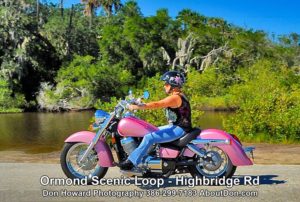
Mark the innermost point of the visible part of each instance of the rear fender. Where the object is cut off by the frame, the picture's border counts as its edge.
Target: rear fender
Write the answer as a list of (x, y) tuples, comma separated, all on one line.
[(234, 150), (101, 147)]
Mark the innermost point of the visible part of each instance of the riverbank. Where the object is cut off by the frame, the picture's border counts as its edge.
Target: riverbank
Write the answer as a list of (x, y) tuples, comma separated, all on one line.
[(264, 154)]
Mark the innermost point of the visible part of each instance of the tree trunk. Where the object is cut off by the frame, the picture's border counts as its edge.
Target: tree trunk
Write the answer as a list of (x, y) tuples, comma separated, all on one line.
[(91, 19), (69, 31), (62, 8), (90, 22), (37, 12), (71, 17)]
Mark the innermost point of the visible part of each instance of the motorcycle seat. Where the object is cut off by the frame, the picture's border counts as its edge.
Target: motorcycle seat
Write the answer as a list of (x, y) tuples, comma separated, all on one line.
[(185, 139)]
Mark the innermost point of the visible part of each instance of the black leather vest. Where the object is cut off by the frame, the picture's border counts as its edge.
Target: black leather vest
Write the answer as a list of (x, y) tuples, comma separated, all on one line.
[(180, 116)]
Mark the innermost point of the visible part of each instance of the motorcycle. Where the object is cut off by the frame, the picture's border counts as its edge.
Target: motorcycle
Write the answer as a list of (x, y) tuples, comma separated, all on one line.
[(210, 153)]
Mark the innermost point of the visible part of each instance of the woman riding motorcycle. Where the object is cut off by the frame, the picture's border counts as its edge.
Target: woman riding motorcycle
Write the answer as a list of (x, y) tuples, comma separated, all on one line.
[(178, 113)]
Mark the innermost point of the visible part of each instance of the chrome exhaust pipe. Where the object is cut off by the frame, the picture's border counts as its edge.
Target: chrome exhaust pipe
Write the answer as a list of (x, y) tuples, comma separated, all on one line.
[(196, 150), (155, 164), (210, 141)]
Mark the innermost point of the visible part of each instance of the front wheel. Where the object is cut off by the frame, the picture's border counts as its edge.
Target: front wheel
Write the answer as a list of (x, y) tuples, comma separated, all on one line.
[(216, 164), (69, 160)]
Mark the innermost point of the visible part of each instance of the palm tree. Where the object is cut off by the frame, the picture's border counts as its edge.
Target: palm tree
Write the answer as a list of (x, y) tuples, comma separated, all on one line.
[(90, 6), (108, 5)]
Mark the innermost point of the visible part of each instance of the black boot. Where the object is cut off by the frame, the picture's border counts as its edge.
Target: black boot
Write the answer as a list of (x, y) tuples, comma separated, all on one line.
[(126, 165)]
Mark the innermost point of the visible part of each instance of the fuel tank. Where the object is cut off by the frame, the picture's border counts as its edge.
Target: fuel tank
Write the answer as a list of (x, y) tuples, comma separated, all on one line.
[(134, 127)]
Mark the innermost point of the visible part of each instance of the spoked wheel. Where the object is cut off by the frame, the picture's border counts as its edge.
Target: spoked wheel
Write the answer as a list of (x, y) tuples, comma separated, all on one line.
[(216, 164), (70, 157)]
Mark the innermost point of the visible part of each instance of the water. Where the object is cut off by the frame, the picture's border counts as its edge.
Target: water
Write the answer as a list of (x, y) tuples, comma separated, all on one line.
[(40, 132), (46, 132)]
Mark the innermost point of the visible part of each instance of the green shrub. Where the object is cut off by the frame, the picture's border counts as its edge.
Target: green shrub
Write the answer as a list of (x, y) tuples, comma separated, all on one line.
[(81, 82), (269, 104), (9, 102)]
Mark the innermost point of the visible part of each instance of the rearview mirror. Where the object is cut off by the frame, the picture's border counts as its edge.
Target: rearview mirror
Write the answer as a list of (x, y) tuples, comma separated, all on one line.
[(130, 95), (146, 95), (130, 92)]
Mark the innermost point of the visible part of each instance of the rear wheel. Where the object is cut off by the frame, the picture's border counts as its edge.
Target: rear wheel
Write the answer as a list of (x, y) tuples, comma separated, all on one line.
[(69, 160), (216, 164)]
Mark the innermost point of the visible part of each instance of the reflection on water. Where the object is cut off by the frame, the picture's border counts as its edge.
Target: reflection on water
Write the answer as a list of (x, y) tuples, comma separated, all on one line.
[(40, 132), (46, 132), (212, 119)]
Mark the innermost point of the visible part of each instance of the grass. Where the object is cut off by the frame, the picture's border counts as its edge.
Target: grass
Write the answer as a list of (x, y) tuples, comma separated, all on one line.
[(11, 110)]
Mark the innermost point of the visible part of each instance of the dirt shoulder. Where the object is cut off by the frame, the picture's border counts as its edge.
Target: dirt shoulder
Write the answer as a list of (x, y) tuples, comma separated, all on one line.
[(264, 154), (276, 153)]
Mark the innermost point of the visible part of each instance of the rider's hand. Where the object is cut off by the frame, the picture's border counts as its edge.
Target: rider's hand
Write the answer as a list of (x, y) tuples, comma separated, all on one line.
[(133, 107)]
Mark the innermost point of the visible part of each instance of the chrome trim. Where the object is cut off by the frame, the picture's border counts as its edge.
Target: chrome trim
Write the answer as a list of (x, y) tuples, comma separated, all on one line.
[(97, 136), (211, 141), (155, 164), (196, 150)]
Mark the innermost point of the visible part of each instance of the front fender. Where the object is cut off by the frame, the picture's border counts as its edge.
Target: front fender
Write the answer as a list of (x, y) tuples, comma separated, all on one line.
[(101, 147), (234, 150)]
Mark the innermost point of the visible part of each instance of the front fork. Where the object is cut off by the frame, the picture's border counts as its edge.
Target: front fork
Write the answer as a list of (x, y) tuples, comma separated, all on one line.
[(99, 135)]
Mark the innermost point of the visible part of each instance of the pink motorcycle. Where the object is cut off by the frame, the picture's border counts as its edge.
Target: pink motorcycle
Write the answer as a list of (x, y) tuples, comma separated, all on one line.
[(209, 153)]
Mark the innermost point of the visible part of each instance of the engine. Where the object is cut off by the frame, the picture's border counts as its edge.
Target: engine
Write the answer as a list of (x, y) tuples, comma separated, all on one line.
[(128, 144), (153, 163)]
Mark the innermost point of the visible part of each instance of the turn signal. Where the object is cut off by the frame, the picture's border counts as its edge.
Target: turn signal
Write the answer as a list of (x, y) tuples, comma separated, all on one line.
[(91, 128), (113, 140)]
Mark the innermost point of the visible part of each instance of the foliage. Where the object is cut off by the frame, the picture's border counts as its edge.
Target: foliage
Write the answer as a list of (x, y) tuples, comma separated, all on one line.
[(269, 102), (69, 34), (134, 42), (80, 82), (26, 57), (9, 103)]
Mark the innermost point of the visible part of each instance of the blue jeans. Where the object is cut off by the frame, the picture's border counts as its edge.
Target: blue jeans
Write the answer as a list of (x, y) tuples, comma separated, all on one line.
[(165, 133)]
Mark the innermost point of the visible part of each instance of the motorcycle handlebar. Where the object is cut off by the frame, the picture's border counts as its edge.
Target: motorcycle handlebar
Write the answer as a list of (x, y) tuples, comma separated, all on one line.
[(125, 103)]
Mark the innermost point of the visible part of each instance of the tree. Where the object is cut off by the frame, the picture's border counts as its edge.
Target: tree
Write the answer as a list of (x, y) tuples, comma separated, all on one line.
[(90, 7), (81, 82), (37, 12), (190, 19), (25, 53), (108, 5), (9, 103), (62, 8), (70, 36)]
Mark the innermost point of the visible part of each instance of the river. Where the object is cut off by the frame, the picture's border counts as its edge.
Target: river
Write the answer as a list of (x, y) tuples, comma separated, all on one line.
[(45, 132)]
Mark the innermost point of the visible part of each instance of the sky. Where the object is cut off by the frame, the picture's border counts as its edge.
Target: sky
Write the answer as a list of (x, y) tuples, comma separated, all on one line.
[(274, 17)]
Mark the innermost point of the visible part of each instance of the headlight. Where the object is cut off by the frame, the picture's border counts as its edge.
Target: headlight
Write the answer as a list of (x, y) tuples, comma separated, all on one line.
[(119, 110), (100, 120), (100, 116)]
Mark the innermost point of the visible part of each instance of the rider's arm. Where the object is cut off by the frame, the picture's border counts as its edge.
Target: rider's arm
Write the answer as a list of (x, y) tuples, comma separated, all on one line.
[(172, 101)]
